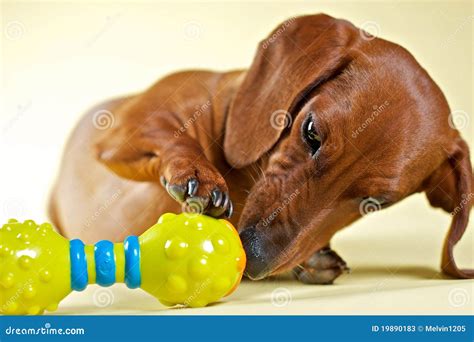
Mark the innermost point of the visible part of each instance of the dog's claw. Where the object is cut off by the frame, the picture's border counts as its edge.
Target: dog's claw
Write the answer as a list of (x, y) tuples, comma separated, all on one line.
[(221, 204), (198, 189), (216, 196), (163, 181), (230, 210), (323, 267), (176, 191), (193, 185), (225, 200)]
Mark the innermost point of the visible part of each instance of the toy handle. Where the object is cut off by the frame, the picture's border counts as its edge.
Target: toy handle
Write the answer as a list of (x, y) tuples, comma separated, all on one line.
[(105, 263)]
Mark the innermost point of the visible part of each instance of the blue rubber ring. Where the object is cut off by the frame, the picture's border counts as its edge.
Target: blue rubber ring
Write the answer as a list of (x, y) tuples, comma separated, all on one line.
[(132, 262), (79, 276), (104, 263)]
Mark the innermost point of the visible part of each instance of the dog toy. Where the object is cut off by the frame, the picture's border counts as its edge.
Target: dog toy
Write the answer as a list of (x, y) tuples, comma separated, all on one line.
[(186, 259)]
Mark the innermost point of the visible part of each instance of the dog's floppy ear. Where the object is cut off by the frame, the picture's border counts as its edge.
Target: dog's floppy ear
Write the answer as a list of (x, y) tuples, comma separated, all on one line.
[(450, 188), (298, 55)]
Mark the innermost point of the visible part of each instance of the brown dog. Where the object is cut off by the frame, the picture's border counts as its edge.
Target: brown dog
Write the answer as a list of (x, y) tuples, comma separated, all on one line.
[(326, 120)]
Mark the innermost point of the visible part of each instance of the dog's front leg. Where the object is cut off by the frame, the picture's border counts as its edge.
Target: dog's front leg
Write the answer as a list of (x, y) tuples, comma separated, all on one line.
[(323, 267), (159, 152), (191, 179)]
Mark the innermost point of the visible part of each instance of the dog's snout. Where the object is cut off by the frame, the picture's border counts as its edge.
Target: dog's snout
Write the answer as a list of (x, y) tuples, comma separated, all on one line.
[(257, 259)]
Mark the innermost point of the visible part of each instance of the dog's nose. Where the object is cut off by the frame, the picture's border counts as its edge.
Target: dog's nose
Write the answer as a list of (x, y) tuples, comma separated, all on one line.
[(257, 261)]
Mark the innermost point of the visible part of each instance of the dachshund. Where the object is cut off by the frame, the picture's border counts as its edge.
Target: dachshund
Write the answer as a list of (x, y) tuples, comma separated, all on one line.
[(327, 120)]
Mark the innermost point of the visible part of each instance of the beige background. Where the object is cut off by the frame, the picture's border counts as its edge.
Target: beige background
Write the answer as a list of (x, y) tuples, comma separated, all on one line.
[(58, 59)]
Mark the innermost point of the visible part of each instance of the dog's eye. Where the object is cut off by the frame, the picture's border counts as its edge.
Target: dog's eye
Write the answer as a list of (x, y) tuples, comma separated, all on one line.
[(310, 135)]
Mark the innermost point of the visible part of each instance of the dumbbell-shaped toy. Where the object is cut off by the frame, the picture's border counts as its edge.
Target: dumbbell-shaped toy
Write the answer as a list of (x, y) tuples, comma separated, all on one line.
[(185, 259)]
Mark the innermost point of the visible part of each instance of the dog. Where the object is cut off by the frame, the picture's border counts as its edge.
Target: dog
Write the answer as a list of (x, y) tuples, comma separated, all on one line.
[(326, 118)]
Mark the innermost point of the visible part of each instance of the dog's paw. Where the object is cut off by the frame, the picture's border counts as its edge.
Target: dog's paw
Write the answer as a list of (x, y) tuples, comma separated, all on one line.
[(199, 187), (321, 268)]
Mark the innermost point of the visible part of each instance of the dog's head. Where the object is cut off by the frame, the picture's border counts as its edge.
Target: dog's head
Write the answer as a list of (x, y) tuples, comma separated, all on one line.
[(341, 123)]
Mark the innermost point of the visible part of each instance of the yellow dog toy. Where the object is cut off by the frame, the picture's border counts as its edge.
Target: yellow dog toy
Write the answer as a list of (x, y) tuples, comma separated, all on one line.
[(183, 259)]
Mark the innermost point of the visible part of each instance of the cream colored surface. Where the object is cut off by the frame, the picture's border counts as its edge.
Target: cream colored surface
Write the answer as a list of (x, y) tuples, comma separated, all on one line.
[(58, 59)]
